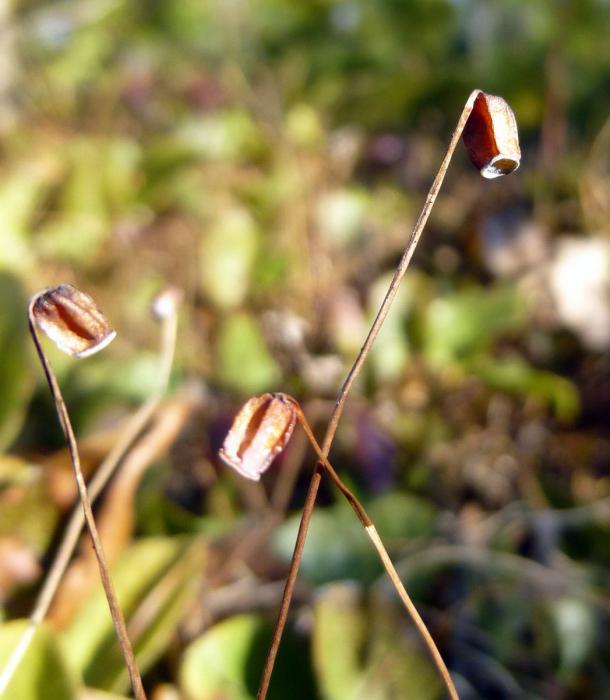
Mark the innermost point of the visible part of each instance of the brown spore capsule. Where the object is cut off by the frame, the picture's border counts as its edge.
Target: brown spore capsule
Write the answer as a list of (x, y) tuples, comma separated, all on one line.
[(491, 136), (259, 433), (72, 320)]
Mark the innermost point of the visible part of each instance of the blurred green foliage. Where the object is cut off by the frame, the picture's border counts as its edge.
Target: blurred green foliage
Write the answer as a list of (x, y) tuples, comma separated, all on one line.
[(45, 668), (269, 157)]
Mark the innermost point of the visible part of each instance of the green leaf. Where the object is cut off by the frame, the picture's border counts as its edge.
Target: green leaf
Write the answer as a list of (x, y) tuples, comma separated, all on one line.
[(122, 165), (20, 195), (362, 653), (402, 516), (244, 362), (216, 663), (43, 672), (83, 55), (81, 225), (397, 667), (463, 325), (226, 661), (228, 135), (108, 378), (517, 377), (155, 580), (341, 216), (340, 636), (94, 694), (304, 126), (227, 256), (336, 548)]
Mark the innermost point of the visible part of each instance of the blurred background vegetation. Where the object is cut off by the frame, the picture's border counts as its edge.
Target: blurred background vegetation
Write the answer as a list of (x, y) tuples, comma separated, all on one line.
[(269, 158)]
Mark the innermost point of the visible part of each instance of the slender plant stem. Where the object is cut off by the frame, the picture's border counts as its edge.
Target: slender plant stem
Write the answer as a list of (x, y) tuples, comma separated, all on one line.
[(323, 460), (345, 389), (113, 604), (412, 610), (106, 469), (371, 531)]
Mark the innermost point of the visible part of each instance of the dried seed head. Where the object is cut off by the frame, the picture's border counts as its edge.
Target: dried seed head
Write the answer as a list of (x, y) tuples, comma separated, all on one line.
[(491, 137), (72, 320), (259, 433)]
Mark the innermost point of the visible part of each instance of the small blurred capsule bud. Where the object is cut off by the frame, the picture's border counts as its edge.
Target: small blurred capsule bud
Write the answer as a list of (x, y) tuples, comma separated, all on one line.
[(491, 137), (166, 303), (259, 433), (72, 320)]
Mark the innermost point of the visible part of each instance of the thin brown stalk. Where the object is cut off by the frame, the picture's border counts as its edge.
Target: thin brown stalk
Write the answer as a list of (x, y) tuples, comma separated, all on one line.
[(113, 604), (134, 427), (345, 389), (371, 531)]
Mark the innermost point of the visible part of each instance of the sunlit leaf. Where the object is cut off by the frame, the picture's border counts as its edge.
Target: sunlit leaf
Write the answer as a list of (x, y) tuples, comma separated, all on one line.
[(94, 694), (340, 636), (216, 663), (227, 254), (43, 672), (81, 223), (122, 162), (224, 135), (132, 378), (225, 662), (244, 363), (154, 579), (464, 324), (303, 126), (363, 653), (340, 216), (20, 194)]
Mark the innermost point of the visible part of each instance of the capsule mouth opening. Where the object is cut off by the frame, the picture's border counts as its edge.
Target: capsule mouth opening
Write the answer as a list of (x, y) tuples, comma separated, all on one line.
[(100, 345), (499, 165)]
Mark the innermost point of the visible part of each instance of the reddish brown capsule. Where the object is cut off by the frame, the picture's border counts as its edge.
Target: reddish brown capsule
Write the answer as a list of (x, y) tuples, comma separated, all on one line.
[(72, 320), (259, 433), (491, 136)]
